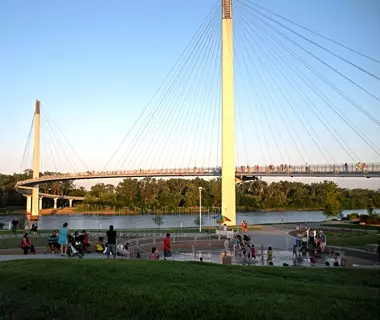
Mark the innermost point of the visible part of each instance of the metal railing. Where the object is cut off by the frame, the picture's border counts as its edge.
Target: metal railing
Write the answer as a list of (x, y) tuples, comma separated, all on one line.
[(354, 169)]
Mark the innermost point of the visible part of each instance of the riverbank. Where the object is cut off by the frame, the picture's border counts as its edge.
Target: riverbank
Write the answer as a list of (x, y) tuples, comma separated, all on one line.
[(189, 211)]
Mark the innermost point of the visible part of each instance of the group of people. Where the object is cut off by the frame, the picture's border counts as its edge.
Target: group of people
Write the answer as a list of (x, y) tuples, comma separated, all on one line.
[(243, 248), (60, 241), (33, 227)]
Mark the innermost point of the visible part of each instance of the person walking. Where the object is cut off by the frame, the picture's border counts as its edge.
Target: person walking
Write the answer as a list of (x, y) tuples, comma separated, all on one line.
[(111, 242), (167, 247)]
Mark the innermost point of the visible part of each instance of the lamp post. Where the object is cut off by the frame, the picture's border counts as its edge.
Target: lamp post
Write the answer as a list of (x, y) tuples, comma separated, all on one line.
[(200, 209)]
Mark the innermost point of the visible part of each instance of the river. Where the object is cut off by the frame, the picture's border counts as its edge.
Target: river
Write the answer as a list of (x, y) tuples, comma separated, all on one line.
[(174, 220)]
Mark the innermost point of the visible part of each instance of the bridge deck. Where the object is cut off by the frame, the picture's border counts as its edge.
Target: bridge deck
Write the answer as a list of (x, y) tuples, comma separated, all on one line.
[(371, 170)]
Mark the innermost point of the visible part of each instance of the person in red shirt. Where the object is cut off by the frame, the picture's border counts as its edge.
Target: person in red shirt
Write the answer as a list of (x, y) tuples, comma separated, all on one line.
[(26, 244), (167, 247)]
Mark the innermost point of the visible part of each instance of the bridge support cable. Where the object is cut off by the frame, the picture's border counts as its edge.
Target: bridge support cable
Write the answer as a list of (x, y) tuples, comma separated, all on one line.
[(353, 102), (330, 104), (211, 83), (274, 48), (241, 62), (196, 104), (319, 46), (50, 142), (265, 95), (169, 119), (296, 135), (282, 113), (334, 87), (166, 87), (263, 106), (47, 152), (27, 149), (309, 128), (65, 140), (214, 128), (296, 43), (323, 97), (314, 32)]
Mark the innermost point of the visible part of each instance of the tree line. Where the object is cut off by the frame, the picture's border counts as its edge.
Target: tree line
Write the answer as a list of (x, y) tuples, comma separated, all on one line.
[(149, 194)]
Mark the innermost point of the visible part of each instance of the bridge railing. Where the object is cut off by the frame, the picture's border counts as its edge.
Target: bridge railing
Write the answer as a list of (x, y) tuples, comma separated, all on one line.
[(242, 170)]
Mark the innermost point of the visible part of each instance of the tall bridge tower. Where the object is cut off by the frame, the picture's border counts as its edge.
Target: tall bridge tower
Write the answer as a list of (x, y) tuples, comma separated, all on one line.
[(228, 116), (36, 161)]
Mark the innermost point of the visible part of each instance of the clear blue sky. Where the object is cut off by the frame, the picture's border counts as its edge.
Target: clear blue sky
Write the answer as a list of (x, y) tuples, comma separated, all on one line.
[(96, 64)]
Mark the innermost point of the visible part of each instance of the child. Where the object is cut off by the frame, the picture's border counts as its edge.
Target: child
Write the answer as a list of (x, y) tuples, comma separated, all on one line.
[(294, 252), (100, 247), (253, 253), (235, 244), (167, 247), (154, 255), (270, 256), (313, 261), (336, 259)]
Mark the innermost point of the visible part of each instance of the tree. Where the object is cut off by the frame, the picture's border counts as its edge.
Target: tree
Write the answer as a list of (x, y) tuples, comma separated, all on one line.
[(332, 206), (158, 220), (196, 221), (370, 210)]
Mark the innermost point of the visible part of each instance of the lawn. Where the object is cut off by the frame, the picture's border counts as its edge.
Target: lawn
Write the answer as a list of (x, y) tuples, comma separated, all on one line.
[(351, 225), (352, 239), (108, 289)]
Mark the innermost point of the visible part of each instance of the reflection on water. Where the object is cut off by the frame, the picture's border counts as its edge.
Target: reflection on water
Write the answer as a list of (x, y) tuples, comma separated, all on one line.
[(174, 220)]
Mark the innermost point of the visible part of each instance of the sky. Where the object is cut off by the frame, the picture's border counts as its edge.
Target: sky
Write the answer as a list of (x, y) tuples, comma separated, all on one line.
[(95, 65)]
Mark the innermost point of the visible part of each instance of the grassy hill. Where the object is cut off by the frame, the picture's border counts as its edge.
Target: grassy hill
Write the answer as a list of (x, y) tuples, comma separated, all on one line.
[(108, 289)]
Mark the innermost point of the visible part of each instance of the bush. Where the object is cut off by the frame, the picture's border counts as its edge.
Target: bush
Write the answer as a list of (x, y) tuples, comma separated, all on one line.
[(353, 216), (372, 219), (2, 225)]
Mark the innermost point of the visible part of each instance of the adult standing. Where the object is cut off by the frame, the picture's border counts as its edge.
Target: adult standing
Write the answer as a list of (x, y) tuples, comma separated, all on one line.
[(14, 225), (111, 242), (62, 239)]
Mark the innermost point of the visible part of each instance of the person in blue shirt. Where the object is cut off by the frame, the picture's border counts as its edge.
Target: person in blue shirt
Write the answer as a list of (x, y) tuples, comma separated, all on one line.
[(62, 239)]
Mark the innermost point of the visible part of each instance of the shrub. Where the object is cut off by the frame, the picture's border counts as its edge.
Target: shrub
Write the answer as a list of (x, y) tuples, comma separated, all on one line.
[(2, 225), (353, 216)]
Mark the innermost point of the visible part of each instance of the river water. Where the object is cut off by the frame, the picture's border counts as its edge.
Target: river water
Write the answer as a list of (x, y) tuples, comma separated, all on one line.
[(174, 220)]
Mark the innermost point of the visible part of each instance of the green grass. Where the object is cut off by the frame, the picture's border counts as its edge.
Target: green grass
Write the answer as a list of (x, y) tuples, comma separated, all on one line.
[(351, 225), (101, 289), (352, 239)]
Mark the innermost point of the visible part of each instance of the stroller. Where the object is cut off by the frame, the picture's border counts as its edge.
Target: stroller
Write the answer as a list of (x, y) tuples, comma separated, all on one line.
[(75, 246)]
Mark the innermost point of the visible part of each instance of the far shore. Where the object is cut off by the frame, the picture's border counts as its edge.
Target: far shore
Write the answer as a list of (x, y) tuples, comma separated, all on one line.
[(193, 210)]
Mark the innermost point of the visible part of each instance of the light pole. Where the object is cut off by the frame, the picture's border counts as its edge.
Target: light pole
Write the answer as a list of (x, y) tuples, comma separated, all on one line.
[(200, 209)]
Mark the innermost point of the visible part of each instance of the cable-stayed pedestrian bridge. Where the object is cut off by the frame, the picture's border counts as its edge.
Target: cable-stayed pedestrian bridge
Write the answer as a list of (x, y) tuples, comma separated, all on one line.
[(265, 98), (370, 170)]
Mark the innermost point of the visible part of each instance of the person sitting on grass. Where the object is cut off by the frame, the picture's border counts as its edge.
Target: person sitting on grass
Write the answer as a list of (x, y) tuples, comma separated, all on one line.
[(53, 242), (26, 244)]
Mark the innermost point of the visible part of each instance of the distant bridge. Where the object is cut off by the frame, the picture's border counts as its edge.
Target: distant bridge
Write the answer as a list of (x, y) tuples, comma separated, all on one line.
[(370, 170)]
